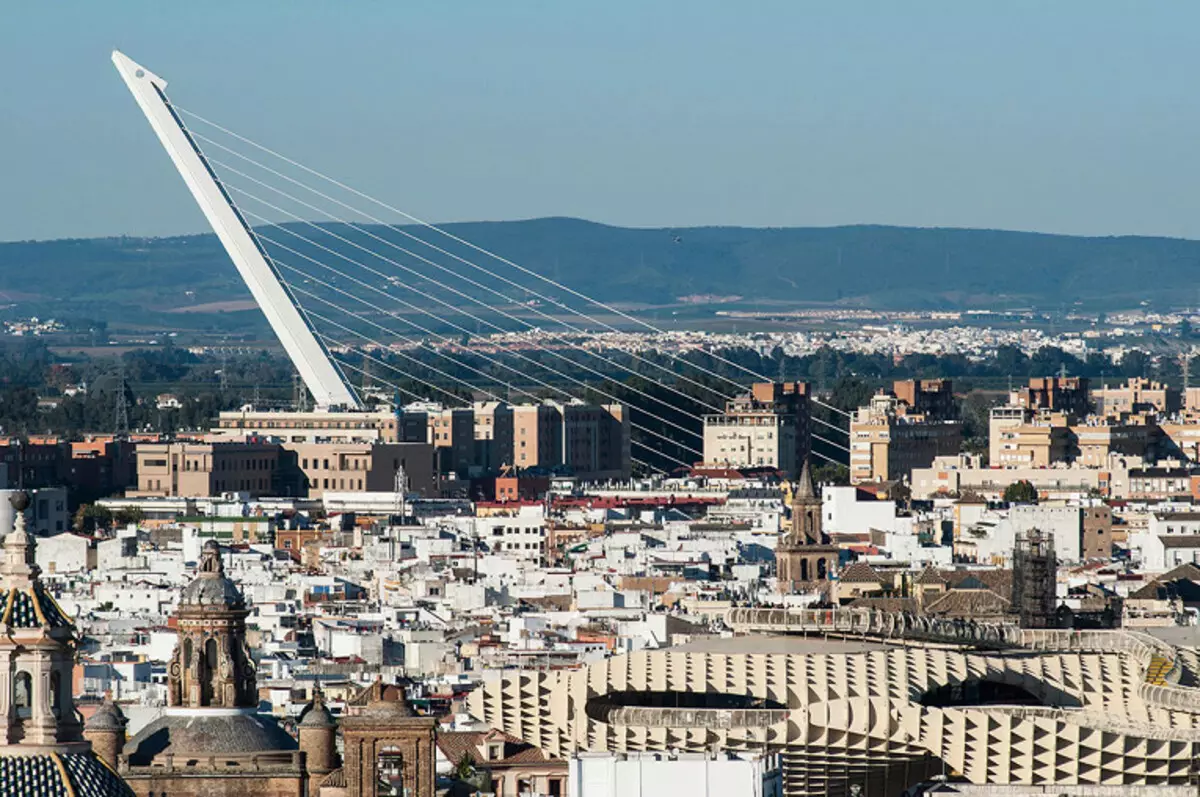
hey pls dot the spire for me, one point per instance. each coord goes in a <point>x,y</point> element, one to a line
<point>805,489</point>
<point>20,556</point>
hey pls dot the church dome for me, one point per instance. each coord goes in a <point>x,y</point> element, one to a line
<point>31,607</point>
<point>317,715</point>
<point>201,733</point>
<point>59,775</point>
<point>210,587</point>
<point>108,717</point>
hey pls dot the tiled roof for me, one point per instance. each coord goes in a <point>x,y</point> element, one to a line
<point>455,744</point>
<point>860,573</point>
<point>931,575</point>
<point>32,608</point>
<point>59,775</point>
<point>998,581</point>
<point>968,603</point>
<point>1187,571</point>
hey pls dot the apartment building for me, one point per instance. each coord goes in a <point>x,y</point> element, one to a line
<point>933,398</point>
<point>194,469</point>
<point>889,439</point>
<point>1138,395</point>
<point>1096,439</point>
<point>588,440</point>
<point>312,469</point>
<point>452,434</point>
<point>493,435</point>
<point>1065,394</point>
<point>1022,438</point>
<point>966,475</point>
<point>310,427</point>
<point>537,436</point>
<point>770,426</point>
<point>596,443</point>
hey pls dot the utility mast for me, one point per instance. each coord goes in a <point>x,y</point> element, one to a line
<point>121,404</point>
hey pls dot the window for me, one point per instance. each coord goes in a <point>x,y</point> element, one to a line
<point>22,696</point>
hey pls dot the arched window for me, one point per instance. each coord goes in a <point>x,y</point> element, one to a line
<point>822,571</point>
<point>22,695</point>
<point>804,570</point>
<point>55,686</point>
<point>208,680</point>
<point>187,655</point>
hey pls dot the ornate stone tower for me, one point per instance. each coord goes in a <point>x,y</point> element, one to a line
<point>43,751</point>
<point>318,737</point>
<point>389,749</point>
<point>804,555</point>
<point>35,683</point>
<point>211,666</point>
<point>211,741</point>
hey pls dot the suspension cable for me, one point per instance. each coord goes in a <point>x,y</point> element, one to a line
<point>426,295</point>
<point>481,250</point>
<point>492,360</point>
<point>366,232</point>
<point>462,329</point>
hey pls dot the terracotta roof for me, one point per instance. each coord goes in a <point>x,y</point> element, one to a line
<point>1187,571</point>
<point>998,581</point>
<point>860,573</point>
<point>931,575</point>
<point>968,603</point>
<point>455,744</point>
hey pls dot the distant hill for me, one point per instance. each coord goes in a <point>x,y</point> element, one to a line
<point>872,266</point>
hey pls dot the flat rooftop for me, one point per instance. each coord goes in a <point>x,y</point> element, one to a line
<point>770,643</point>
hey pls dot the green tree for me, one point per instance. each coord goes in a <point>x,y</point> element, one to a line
<point>127,516</point>
<point>90,517</point>
<point>1021,492</point>
<point>830,473</point>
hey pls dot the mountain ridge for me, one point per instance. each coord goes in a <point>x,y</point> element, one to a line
<point>865,265</point>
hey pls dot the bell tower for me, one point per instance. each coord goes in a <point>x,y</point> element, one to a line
<point>211,666</point>
<point>37,648</point>
<point>803,554</point>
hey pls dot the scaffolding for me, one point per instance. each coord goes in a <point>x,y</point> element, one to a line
<point>1035,568</point>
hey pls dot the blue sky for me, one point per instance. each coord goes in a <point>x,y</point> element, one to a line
<point>1076,116</point>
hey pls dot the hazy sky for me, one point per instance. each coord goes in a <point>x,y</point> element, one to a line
<point>1078,117</point>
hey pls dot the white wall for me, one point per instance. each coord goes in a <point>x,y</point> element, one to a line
<point>844,513</point>
<point>653,775</point>
<point>62,553</point>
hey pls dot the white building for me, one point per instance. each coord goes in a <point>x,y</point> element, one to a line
<point>656,774</point>
<point>1170,539</point>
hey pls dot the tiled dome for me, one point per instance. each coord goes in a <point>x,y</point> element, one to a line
<point>210,587</point>
<point>32,607</point>
<point>108,717</point>
<point>59,775</point>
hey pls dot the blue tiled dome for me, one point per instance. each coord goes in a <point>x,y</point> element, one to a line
<point>59,775</point>
<point>32,607</point>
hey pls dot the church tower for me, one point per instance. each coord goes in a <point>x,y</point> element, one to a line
<point>211,666</point>
<point>43,751</point>
<point>803,554</point>
<point>36,691</point>
<point>211,720</point>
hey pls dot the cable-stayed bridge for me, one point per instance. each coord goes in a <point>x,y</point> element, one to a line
<point>353,285</point>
